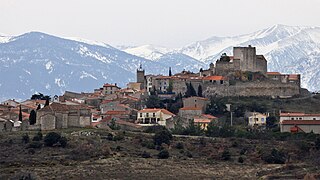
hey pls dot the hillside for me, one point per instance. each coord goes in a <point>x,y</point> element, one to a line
<point>89,153</point>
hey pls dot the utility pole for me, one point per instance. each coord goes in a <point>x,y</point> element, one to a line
<point>231,118</point>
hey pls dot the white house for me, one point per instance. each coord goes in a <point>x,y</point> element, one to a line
<point>151,117</point>
<point>299,122</point>
<point>256,119</point>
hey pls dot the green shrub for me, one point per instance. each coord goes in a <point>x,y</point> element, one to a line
<point>275,157</point>
<point>51,139</point>
<point>226,155</point>
<point>145,154</point>
<point>317,143</point>
<point>63,142</point>
<point>35,145</point>
<point>38,137</point>
<point>240,159</point>
<point>163,154</point>
<point>163,136</point>
<point>25,138</point>
<point>179,145</point>
<point>188,154</point>
<point>118,137</point>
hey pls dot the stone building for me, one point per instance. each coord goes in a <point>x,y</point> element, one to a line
<point>58,116</point>
<point>110,89</point>
<point>195,102</point>
<point>154,116</point>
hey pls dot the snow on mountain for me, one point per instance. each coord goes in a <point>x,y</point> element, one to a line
<point>37,62</point>
<point>178,62</point>
<point>148,51</point>
<point>4,38</point>
<point>288,49</point>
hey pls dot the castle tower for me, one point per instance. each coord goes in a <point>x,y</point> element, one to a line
<point>140,76</point>
<point>247,57</point>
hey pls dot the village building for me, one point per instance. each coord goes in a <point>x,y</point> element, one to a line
<point>110,88</point>
<point>195,102</point>
<point>299,122</point>
<point>154,116</point>
<point>204,120</point>
<point>256,119</point>
<point>58,116</point>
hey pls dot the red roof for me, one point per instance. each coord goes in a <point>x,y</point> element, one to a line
<point>301,122</point>
<point>273,73</point>
<point>214,78</point>
<point>297,114</point>
<point>151,110</point>
<point>116,112</point>
<point>293,76</point>
<point>202,120</point>
<point>110,85</point>
<point>208,116</point>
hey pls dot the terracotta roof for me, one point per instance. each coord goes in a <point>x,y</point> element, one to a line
<point>190,108</point>
<point>297,114</point>
<point>216,78</point>
<point>293,76</point>
<point>62,107</point>
<point>147,110</point>
<point>164,77</point>
<point>301,122</point>
<point>208,116</point>
<point>200,120</point>
<point>273,73</point>
<point>110,85</point>
<point>116,112</point>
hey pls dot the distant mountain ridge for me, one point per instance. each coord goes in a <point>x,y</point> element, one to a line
<point>38,62</point>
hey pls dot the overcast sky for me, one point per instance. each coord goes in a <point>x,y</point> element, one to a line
<point>171,23</point>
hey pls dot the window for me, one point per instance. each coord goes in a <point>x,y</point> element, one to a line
<point>292,118</point>
<point>153,114</point>
<point>300,118</point>
<point>147,115</point>
<point>262,119</point>
<point>140,114</point>
<point>314,118</point>
<point>221,81</point>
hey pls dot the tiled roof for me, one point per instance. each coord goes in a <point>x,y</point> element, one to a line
<point>301,122</point>
<point>208,116</point>
<point>297,114</point>
<point>200,120</point>
<point>216,78</point>
<point>116,112</point>
<point>62,107</point>
<point>202,98</point>
<point>110,85</point>
<point>150,110</point>
<point>293,77</point>
<point>273,73</point>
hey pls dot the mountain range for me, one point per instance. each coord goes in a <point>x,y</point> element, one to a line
<point>38,62</point>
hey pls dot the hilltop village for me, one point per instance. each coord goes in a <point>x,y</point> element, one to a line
<point>170,100</point>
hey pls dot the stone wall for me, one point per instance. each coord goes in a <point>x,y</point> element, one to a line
<point>47,122</point>
<point>256,88</point>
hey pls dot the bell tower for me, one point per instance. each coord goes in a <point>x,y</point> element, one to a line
<point>140,76</point>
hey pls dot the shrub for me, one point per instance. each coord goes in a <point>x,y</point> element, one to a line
<point>63,142</point>
<point>25,138</point>
<point>35,145</point>
<point>317,144</point>
<point>240,159</point>
<point>243,151</point>
<point>118,137</point>
<point>163,154</point>
<point>51,139</point>
<point>188,154</point>
<point>179,145</point>
<point>275,157</point>
<point>110,137</point>
<point>163,136</point>
<point>37,137</point>
<point>145,154</point>
<point>226,155</point>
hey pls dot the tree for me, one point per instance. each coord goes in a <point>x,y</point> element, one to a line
<point>170,87</point>
<point>271,120</point>
<point>47,103</point>
<point>170,73</point>
<point>163,136</point>
<point>216,107</point>
<point>39,107</point>
<point>193,130</point>
<point>154,102</point>
<point>40,96</point>
<point>51,139</point>
<point>20,114</point>
<point>32,117</point>
<point>164,154</point>
<point>190,90</point>
<point>200,90</point>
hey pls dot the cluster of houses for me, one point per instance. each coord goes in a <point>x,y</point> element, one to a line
<point>126,106</point>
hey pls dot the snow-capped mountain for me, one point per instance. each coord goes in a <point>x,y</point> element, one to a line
<point>151,52</point>
<point>288,49</point>
<point>37,62</point>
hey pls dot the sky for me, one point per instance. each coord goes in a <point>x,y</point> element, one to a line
<point>170,23</point>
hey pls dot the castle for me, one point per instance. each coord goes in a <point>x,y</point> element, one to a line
<point>243,74</point>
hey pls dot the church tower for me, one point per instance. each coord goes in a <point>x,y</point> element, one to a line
<point>140,76</point>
